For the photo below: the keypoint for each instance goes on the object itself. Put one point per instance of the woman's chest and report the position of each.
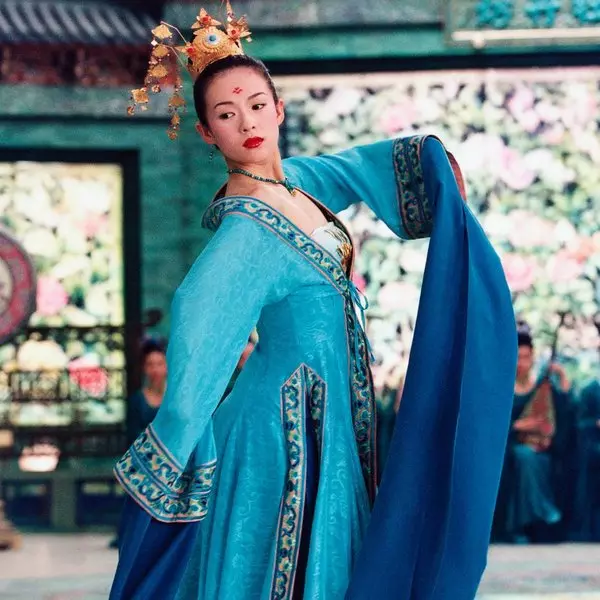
(298, 208)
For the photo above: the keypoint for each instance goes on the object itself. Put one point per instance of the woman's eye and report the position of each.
(226, 115)
(258, 106)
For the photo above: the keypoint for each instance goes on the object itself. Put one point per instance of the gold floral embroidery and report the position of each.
(317, 390)
(290, 518)
(415, 209)
(303, 382)
(283, 227)
(162, 487)
(363, 401)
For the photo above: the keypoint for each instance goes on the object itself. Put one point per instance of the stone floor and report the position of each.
(550, 572)
(79, 567)
(58, 567)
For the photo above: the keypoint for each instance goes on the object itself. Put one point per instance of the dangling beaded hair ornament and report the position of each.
(209, 44)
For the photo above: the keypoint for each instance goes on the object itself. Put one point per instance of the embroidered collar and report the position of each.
(287, 231)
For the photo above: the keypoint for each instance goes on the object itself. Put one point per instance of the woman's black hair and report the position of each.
(149, 346)
(524, 337)
(220, 66)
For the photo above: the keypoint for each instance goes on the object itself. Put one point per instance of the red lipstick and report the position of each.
(253, 142)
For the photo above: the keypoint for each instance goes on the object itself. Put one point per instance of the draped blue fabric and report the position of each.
(152, 555)
(289, 456)
(430, 527)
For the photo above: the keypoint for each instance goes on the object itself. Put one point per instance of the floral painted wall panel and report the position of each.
(68, 217)
(529, 144)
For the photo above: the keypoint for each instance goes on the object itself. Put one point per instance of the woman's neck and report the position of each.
(272, 169)
(524, 382)
(156, 388)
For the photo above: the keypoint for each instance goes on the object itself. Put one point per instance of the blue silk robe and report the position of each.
(270, 495)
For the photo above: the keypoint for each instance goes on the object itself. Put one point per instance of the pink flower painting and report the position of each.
(563, 267)
(51, 296)
(88, 376)
(520, 271)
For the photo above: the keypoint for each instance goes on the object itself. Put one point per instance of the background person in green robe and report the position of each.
(530, 506)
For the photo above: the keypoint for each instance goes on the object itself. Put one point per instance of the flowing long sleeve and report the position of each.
(430, 527)
(386, 175)
(168, 470)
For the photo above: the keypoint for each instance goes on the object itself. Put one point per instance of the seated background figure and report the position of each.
(532, 505)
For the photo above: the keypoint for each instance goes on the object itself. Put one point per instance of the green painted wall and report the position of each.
(176, 178)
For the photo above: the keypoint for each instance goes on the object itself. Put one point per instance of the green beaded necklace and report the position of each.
(284, 182)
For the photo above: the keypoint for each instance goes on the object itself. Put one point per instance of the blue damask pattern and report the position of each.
(363, 397)
(280, 224)
(154, 479)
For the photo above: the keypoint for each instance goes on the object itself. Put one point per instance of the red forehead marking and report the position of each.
(237, 90)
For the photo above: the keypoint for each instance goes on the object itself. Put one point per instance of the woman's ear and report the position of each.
(205, 133)
(279, 109)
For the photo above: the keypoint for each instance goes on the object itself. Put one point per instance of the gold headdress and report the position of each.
(209, 44)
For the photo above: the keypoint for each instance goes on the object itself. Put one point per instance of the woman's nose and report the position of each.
(247, 124)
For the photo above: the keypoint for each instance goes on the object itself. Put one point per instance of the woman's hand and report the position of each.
(528, 424)
(565, 384)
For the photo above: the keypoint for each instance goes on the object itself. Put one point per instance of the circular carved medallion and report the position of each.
(17, 286)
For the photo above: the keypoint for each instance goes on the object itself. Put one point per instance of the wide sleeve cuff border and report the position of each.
(164, 489)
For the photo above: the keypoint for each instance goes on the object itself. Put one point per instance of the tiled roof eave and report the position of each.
(57, 22)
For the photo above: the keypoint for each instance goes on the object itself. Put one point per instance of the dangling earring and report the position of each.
(211, 156)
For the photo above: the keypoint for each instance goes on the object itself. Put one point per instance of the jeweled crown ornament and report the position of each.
(211, 42)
